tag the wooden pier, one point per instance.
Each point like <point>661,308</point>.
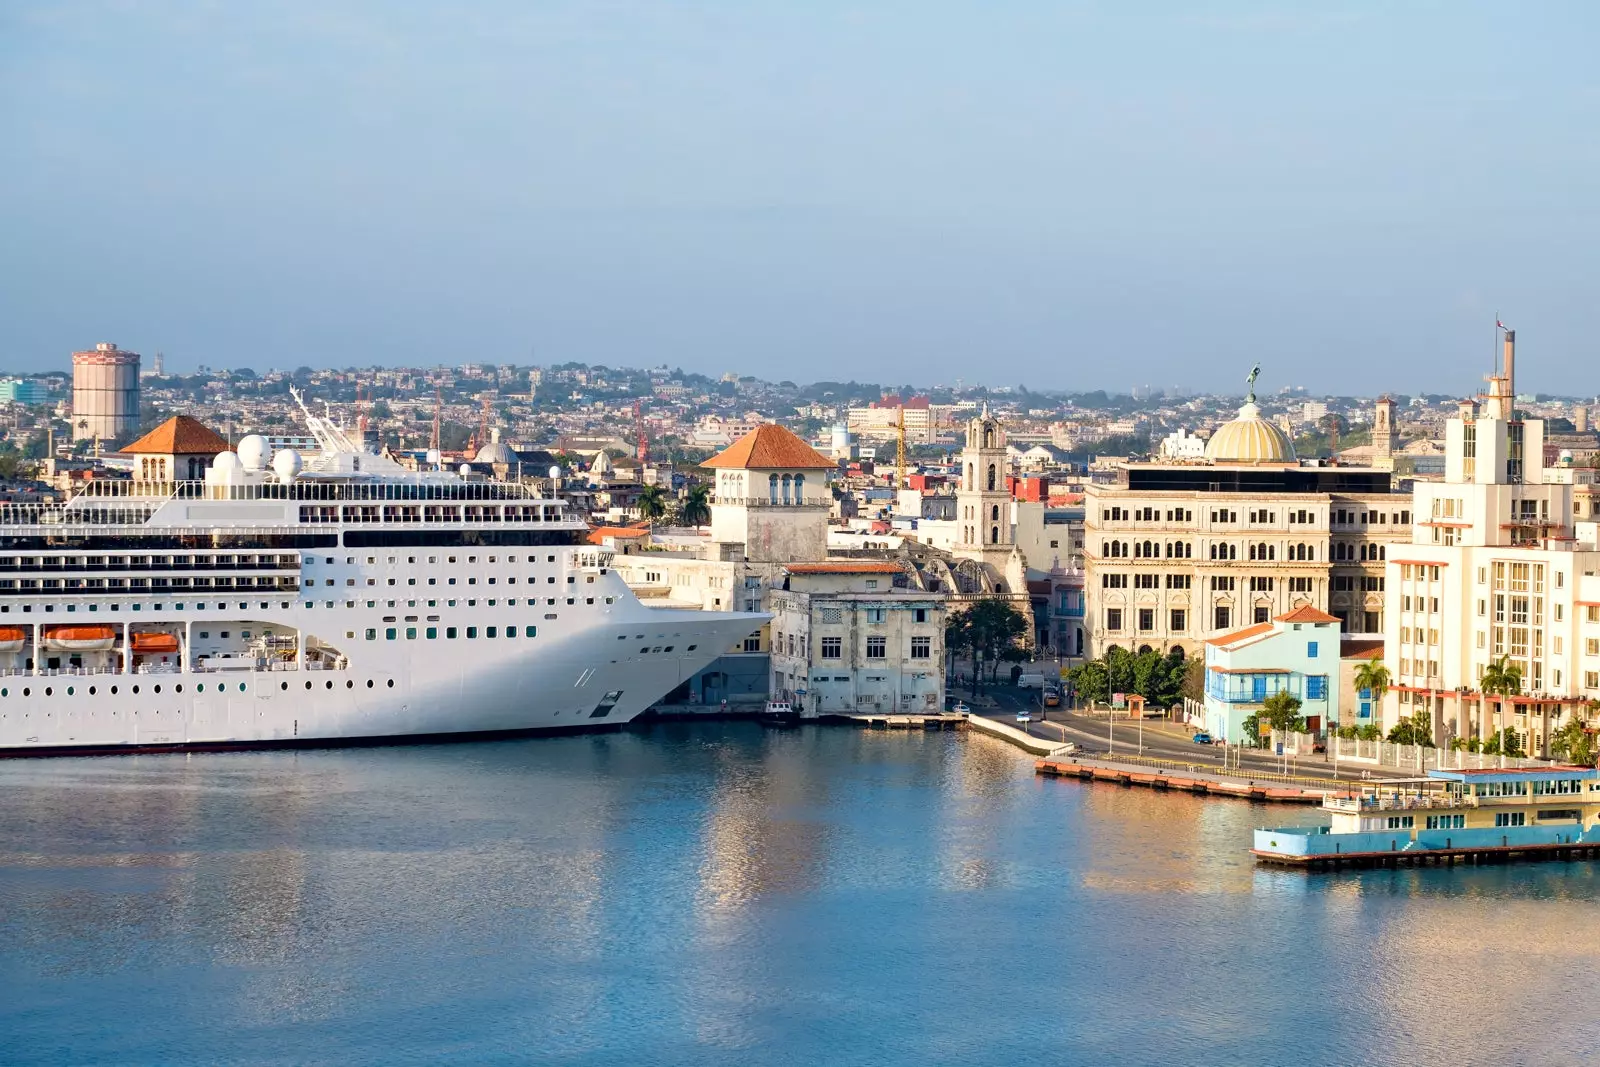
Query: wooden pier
<point>1162,779</point>
<point>934,721</point>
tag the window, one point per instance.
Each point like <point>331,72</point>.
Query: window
<point>1317,687</point>
<point>372,635</point>
<point>1311,650</point>
<point>1220,616</point>
<point>919,614</point>
<point>921,647</point>
<point>1178,620</point>
<point>1262,613</point>
<point>875,615</point>
<point>389,634</point>
<point>1401,822</point>
<point>832,647</point>
<point>1510,818</point>
<point>1113,618</point>
<point>472,631</point>
<point>1147,620</point>
<point>1446,822</point>
<point>877,648</point>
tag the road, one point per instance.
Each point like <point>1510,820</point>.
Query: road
<point>1159,739</point>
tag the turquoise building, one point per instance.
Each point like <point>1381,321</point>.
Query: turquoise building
<point>1297,652</point>
<point>24,391</point>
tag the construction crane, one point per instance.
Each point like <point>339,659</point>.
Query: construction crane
<point>480,436</point>
<point>902,480</point>
<point>438,419</point>
<point>1331,421</point>
<point>638,425</point>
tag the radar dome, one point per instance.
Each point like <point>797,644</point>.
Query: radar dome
<point>226,463</point>
<point>466,469</point>
<point>253,452</point>
<point>496,452</point>
<point>434,457</point>
<point>286,464</point>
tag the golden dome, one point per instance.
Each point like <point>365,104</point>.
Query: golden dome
<point>1250,439</point>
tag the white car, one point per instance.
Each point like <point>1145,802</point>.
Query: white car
<point>960,709</point>
<point>1024,716</point>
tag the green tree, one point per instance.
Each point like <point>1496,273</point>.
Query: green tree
<point>696,510</point>
<point>1281,712</point>
<point>1090,681</point>
<point>991,625</point>
<point>652,502</point>
<point>1252,731</point>
<point>1574,743</point>
<point>1193,686</point>
<point>1370,732</point>
<point>1501,679</point>
<point>1417,730</point>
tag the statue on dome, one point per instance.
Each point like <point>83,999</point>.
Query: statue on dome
<point>1255,372</point>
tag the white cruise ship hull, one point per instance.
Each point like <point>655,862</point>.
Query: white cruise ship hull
<point>602,675</point>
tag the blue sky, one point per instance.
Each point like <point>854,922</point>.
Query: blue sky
<point>1089,195</point>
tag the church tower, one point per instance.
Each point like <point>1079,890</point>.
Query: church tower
<point>1383,434</point>
<point>983,503</point>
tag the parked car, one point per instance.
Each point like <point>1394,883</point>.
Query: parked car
<point>1052,696</point>
<point>1202,738</point>
<point>1024,716</point>
<point>960,708</point>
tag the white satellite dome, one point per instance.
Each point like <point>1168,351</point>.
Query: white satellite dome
<point>226,463</point>
<point>496,452</point>
<point>253,452</point>
<point>434,457</point>
<point>465,469</point>
<point>287,464</point>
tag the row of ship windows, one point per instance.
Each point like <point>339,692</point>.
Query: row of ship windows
<point>264,605</point>
<point>127,563</point>
<point>217,687</point>
<point>402,513</point>
<point>27,585</point>
<point>510,602</point>
<point>550,580</point>
<point>311,561</point>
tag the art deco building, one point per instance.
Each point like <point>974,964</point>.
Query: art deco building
<point>1177,552</point>
<point>1504,569</point>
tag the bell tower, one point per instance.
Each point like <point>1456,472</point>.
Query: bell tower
<point>983,503</point>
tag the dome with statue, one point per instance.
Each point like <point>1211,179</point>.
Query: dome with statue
<point>1250,438</point>
<point>496,451</point>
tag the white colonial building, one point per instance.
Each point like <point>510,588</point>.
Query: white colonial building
<point>1177,553</point>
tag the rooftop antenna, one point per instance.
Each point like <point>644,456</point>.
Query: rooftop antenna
<point>901,480</point>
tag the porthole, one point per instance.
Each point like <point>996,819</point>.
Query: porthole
<point>330,684</point>
<point>158,689</point>
<point>390,683</point>
<point>350,685</point>
<point>5,692</point>
<point>369,683</point>
<point>308,685</point>
<point>284,686</point>
<point>177,688</point>
<point>48,691</point>
<point>91,691</point>
<point>69,690</point>
<point>113,690</point>
<point>241,687</point>
<point>135,690</point>
<point>27,692</point>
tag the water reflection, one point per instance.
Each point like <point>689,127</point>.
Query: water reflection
<point>723,894</point>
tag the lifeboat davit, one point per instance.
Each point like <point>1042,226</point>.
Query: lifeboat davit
<point>153,642</point>
<point>12,639</point>
<point>79,638</point>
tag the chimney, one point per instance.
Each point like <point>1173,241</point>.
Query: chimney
<point>1510,375</point>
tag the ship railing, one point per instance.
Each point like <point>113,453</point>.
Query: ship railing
<point>52,672</point>
<point>407,489</point>
<point>1392,802</point>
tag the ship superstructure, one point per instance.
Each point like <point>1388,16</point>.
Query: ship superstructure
<point>333,596</point>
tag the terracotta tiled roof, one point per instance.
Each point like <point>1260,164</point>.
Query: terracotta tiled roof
<point>865,566</point>
<point>1361,648</point>
<point>770,447</point>
<point>180,435</point>
<point>1307,613</point>
<point>1239,635</point>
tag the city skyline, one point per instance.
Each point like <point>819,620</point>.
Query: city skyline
<point>1089,198</point>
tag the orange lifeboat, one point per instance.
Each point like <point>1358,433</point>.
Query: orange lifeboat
<point>12,638</point>
<point>153,642</point>
<point>79,638</point>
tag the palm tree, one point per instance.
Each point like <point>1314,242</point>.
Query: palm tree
<point>1501,678</point>
<point>697,506</point>
<point>652,503</point>
<point>1373,677</point>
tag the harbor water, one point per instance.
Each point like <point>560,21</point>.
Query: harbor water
<point>713,893</point>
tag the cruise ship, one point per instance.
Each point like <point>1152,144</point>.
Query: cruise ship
<point>278,598</point>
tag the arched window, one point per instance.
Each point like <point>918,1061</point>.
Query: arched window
<point>799,488</point>
<point>991,476</point>
<point>971,478</point>
<point>772,487</point>
<point>994,513</point>
<point>988,439</point>
<point>994,535</point>
<point>786,481</point>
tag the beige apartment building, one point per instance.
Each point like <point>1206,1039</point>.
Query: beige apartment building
<point>1503,569</point>
<point>1177,553</point>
